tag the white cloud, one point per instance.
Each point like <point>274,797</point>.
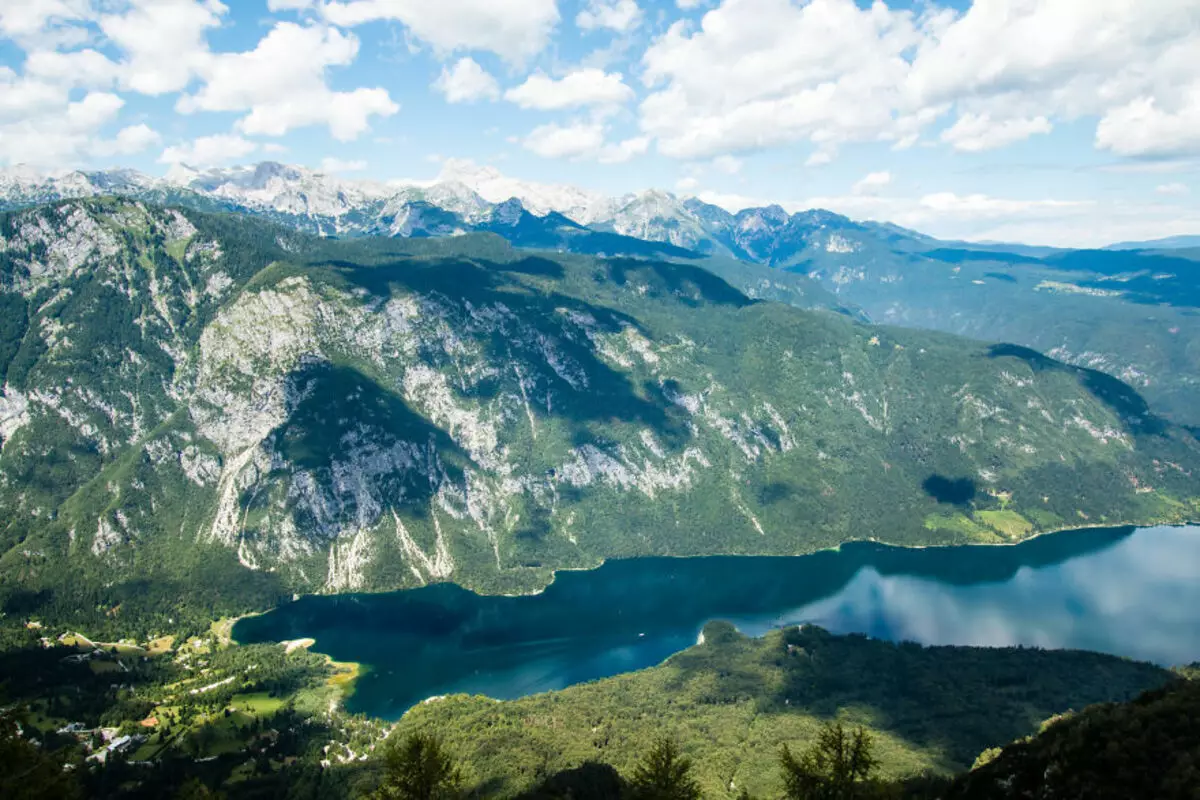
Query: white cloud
<point>571,141</point>
<point>1142,128</point>
<point>688,5</point>
<point>163,42</point>
<point>513,29</point>
<point>209,151</point>
<point>467,82</point>
<point>93,110</point>
<point>736,202</point>
<point>973,133</point>
<point>45,23</point>
<point>289,5</point>
<point>727,164</point>
<point>22,97</point>
<point>1131,63</point>
<point>687,183</point>
<point>976,206</point>
<point>1172,189</point>
<point>333,165</point>
<point>624,150</point>
<point>582,141</point>
<point>583,87</point>
<point>759,73</point>
<point>872,183</point>
<point>86,68</point>
<point>129,141</point>
<point>59,135</point>
<point>282,84</point>
<point>618,15</point>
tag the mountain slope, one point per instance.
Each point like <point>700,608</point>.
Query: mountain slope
<point>731,702</point>
<point>1134,316</point>
<point>1149,747</point>
<point>546,217</point>
<point>190,395</point>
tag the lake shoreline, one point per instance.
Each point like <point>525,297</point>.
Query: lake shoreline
<point>715,606</point>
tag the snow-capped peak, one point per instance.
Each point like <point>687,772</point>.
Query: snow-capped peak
<point>580,205</point>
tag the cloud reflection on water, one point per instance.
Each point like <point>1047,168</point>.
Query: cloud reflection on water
<point>1138,598</point>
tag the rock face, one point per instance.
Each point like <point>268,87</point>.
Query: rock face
<point>375,413</point>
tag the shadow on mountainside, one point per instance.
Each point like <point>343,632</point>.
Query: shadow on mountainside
<point>690,285</point>
<point>953,491</point>
<point>342,411</point>
<point>531,327</point>
<point>1121,398</point>
<point>952,702</point>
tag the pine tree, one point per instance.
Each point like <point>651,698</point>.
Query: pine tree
<point>664,775</point>
<point>418,767</point>
<point>836,767</point>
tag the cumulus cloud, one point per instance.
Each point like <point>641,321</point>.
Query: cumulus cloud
<point>163,42</point>
<point>57,135</point>
<point>973,133</point>
<point>977,205</point>
<point>872,183</point>
<point>83,68</point>
<point>129,141</point>
<point>1172,189</point>
<point>282,84</point>
<point>618,15</point>
<point>759,73</point>
<point>727,164</point>
<point>565,141</point>
<point>45,23</point>
<point>582,87</point>
<point>1143,128</point>
<point>513,29</point>
<point>208,151</point>
<point>23,96</point>
<point>466,82</point>
<point>582,141</point>
<point>333,165</point>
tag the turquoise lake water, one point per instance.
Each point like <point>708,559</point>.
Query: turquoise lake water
<point>1124,591</point>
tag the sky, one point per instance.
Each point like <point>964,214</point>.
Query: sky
<point>1065,122</point>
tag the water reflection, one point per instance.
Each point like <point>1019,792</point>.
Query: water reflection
<point>1117,590</point>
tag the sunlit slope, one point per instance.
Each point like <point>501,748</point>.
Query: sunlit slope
<point>195,401</point>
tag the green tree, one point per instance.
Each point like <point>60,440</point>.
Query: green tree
<point>28,773</point>
<point>837,767</point>
<point>417,767</point>
<point>194,789</point>
<point>664,775</point>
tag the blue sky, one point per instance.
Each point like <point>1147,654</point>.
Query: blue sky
<point>1053,121</point>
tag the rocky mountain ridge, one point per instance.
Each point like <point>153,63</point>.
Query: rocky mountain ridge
<point>1131,314</point>
<point>189,398</point>
<point>474,197</point>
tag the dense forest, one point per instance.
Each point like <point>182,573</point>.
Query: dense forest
<point>749,717</point>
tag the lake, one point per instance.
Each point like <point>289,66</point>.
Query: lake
<point>1124,591</point>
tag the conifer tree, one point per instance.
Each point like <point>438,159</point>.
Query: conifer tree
<point>664,774</point>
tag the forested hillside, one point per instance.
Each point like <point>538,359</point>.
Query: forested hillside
<point>195,402</point>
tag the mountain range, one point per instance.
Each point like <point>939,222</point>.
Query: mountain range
<point>1133,313</point>
<point>192,396</point>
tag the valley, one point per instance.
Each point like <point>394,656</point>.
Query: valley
<point>189,397</point>
<point>568,461</point>
<point>1055,592</point>
<point>599,400</point>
